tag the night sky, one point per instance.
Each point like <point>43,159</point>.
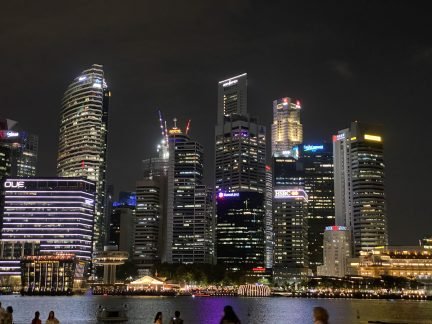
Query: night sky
<point>369,61</point>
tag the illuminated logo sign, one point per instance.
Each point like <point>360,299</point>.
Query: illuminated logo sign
<point>312,148</point>
<point>8,134</point>
<point>14,184</point>
<point>222,195</point>
<point>335,228</point>
<point>258,269</point>
<point>229,83</point>
<point>12,134</point>
<point>289,193</point>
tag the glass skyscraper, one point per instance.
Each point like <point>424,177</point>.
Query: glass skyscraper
<point>83,137</point>
<point>317,163</point>
<point>190,213</point>
<point>240,236</point>
<point>359,185</point>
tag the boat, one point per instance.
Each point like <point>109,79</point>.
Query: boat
<point>108,315</point>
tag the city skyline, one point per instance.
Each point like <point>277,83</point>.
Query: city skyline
<point>349,95</point>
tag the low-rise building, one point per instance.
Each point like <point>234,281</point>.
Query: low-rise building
<point>414,262</point>
<point>336,250</point>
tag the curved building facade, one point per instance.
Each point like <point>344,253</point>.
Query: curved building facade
<point>83,137</point>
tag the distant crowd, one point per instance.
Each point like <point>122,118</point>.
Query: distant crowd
<point>6,317</point>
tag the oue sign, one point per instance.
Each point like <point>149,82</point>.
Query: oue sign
<point>14,184</point>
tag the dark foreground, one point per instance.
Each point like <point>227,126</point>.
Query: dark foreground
<point>208,310</point>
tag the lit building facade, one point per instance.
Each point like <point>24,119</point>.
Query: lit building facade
<point>58,213</point>
<point>412,262</point>
<point>240,155</point>
<point>232,97</point>
<point>83,137</point>
<point>190,213</point>
<point>290,261</point>
<point>317,163</point>
<point>287,130</point>
<point>290,227</point>
<point>268,224</point>
<point>50,273</point>
<point>359,185</point>
<point>240,230</point>
<point>150,243</point>
<point>337,250</point>
<point>18,151</point>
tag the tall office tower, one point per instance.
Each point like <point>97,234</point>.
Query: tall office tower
<point>122,222</point>
<point>268,226</point>
<point>57,213</point>
<point>150,239</point>
<point>83,137</point>
<point>18,151</point>
<point>189,217</point>
<point>232,97</point>
<point>289,220</point>
<point>240,141</point>
<point>240,237</point>
<point>317,163</point>
<point>359,185</point>
<point>290,234</point>
<point>150,244</point>
<point>337,249</point>
<point>287,131</point>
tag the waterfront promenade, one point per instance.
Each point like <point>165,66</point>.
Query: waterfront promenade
<point>208,310</point>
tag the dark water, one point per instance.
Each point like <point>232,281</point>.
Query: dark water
<point>82,309</point>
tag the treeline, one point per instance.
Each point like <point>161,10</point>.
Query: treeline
<point>200,274</point>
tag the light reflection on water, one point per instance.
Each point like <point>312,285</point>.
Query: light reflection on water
<point>208,310</point>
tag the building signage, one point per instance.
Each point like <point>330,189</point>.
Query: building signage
<point>14,184</point>
<point>312,148</point>
<point>289,193</point>
<point>335,228</point>
<point>228,194</point>
<point>229,83</point>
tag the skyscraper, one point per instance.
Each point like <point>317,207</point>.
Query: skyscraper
<point>232,97</point>
<point>317,163</point>
<point>287,130</point>
<point>189,213</point>
<point>290,227</point>
<point>240,236</point>
<point>18,151</point>
<point>268,223</point>
<point>122,222</point>
<point>359,185</point>
<point>83,137</point>
<point>240,161</point>
<point>240,140</point>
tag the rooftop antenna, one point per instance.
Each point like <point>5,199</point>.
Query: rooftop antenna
<point>175,122</point>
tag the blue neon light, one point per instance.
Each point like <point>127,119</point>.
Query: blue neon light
<point>312,148</point>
